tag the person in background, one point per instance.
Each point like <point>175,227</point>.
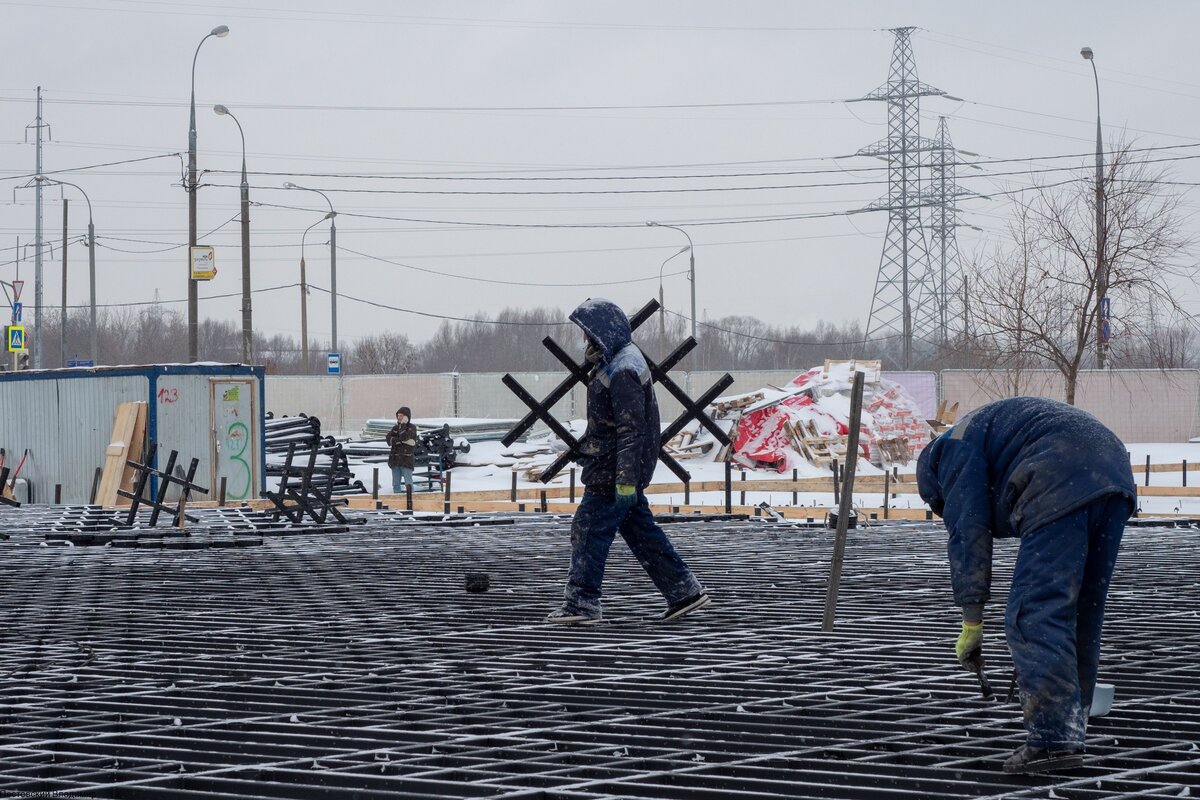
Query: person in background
<point>1057,479</point>
<point>402,439</point>
<point>618,455</point>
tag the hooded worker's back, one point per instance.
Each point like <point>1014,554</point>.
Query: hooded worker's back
<point>623,422</point>
<point>1044,459</point>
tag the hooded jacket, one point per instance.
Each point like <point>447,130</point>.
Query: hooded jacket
<point>401,454</point>
<point>622,441</point>
<point>1011,467</point>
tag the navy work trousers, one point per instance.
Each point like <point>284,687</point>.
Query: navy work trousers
<point>1055,613</point>
<point>593,529</point>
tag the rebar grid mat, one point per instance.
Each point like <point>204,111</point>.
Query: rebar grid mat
<point>357,666</point>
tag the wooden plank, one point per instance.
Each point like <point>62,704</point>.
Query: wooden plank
<point>137,444</point>
<point>1140,469</point>
<point>113,471</point>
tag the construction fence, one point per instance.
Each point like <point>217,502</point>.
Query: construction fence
<point>1139,405</point>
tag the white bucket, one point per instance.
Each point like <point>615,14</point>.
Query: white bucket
<point>1102,699</point>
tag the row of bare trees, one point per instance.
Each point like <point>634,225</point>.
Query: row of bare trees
<point>1034,299</point>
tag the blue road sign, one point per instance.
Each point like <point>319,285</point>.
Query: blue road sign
<point>334,364</point>
<point>1105,308</point>
<point>16,312</point>
<point>80,362</point>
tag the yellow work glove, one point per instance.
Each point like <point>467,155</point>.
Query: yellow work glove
<point>626,495</point>
<point>969,647</point>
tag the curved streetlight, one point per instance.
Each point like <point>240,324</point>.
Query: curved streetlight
<point>332,262</point>
<point>1101,272</point>
<point>304,293</point>
<point>662,306</point>
<point>91,276</point>
<point>221,31</point>
<point>691,267</point>
<point>247,316</point>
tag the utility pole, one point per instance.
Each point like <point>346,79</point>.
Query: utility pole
<point>1102,302</point>
<point>38,124</point>
<point>62,323</point>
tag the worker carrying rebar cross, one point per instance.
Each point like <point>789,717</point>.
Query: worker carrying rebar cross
<point>1058,479</point>
<point>618,454</point>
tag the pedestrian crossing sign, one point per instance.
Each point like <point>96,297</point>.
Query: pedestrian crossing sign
<point>15,336</point>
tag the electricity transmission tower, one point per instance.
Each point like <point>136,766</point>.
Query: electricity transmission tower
<point>904,264</point>
<point>938,310</point>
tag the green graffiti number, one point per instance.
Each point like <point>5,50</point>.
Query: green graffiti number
<point>238,434</point>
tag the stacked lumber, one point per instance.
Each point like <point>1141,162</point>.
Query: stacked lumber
<point>127,443</point>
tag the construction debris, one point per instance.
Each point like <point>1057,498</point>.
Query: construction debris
<point>806,422</point>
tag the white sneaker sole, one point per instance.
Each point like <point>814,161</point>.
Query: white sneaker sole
<point>696,606</point>
<point>580,620</point>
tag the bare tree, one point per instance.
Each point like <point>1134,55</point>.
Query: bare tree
<point>382,353</point>
<point>1037,298</point>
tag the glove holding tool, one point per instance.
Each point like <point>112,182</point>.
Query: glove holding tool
<point>969,650</point>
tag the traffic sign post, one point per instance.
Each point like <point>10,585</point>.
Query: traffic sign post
<point>14,336</point>
<point>334,364</point>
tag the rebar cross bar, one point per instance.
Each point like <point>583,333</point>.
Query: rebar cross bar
<point>580,373</point>
<point>166,477</point>
<point>312,498</point>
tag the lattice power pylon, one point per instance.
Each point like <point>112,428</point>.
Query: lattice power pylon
<point>904,264</point>
<point>939,308</point>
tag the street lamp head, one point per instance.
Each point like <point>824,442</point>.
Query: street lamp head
<point>220,110</point>
<point>653,224</point>
<point>221,31</point>
<point>1086,53</point>
<point>330,215</point>
<point>290,185</point>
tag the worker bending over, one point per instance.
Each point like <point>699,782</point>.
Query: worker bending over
<point>1058,479</point>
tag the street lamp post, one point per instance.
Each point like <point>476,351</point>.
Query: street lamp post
<point>247,317</point>
<point>91,270</point>
<point>662,306</point>
<point>332,262</point>
<point>1102,314</point>
<point>304,294</point>
<point>691,267</point>
<point>220,31</point>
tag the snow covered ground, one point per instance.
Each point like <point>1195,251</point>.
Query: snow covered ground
<point>497,474</point>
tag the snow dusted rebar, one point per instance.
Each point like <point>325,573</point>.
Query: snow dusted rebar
<point>356,664</point>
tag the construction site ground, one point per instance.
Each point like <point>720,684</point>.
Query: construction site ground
<point>335,665</point>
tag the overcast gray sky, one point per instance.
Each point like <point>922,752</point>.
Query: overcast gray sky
<point>393,89</point>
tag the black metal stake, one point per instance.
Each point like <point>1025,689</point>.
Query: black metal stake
<point>221,495</point>
<point>728,487</point>
<point>844,508</point>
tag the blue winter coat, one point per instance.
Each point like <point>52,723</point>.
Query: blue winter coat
<point>1011,467</point>
<point>621,443</point>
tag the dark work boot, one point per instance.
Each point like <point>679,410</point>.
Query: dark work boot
<point>1028,760</point>
<point>685,606</point>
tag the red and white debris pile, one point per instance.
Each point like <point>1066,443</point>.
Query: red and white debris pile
<point>806,422</point>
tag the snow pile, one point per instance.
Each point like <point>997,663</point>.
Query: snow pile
<point>807,421</point>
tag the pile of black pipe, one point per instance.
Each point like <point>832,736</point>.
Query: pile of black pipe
<point>304,433</point>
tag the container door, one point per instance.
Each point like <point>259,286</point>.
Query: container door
<point>234,432</point>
